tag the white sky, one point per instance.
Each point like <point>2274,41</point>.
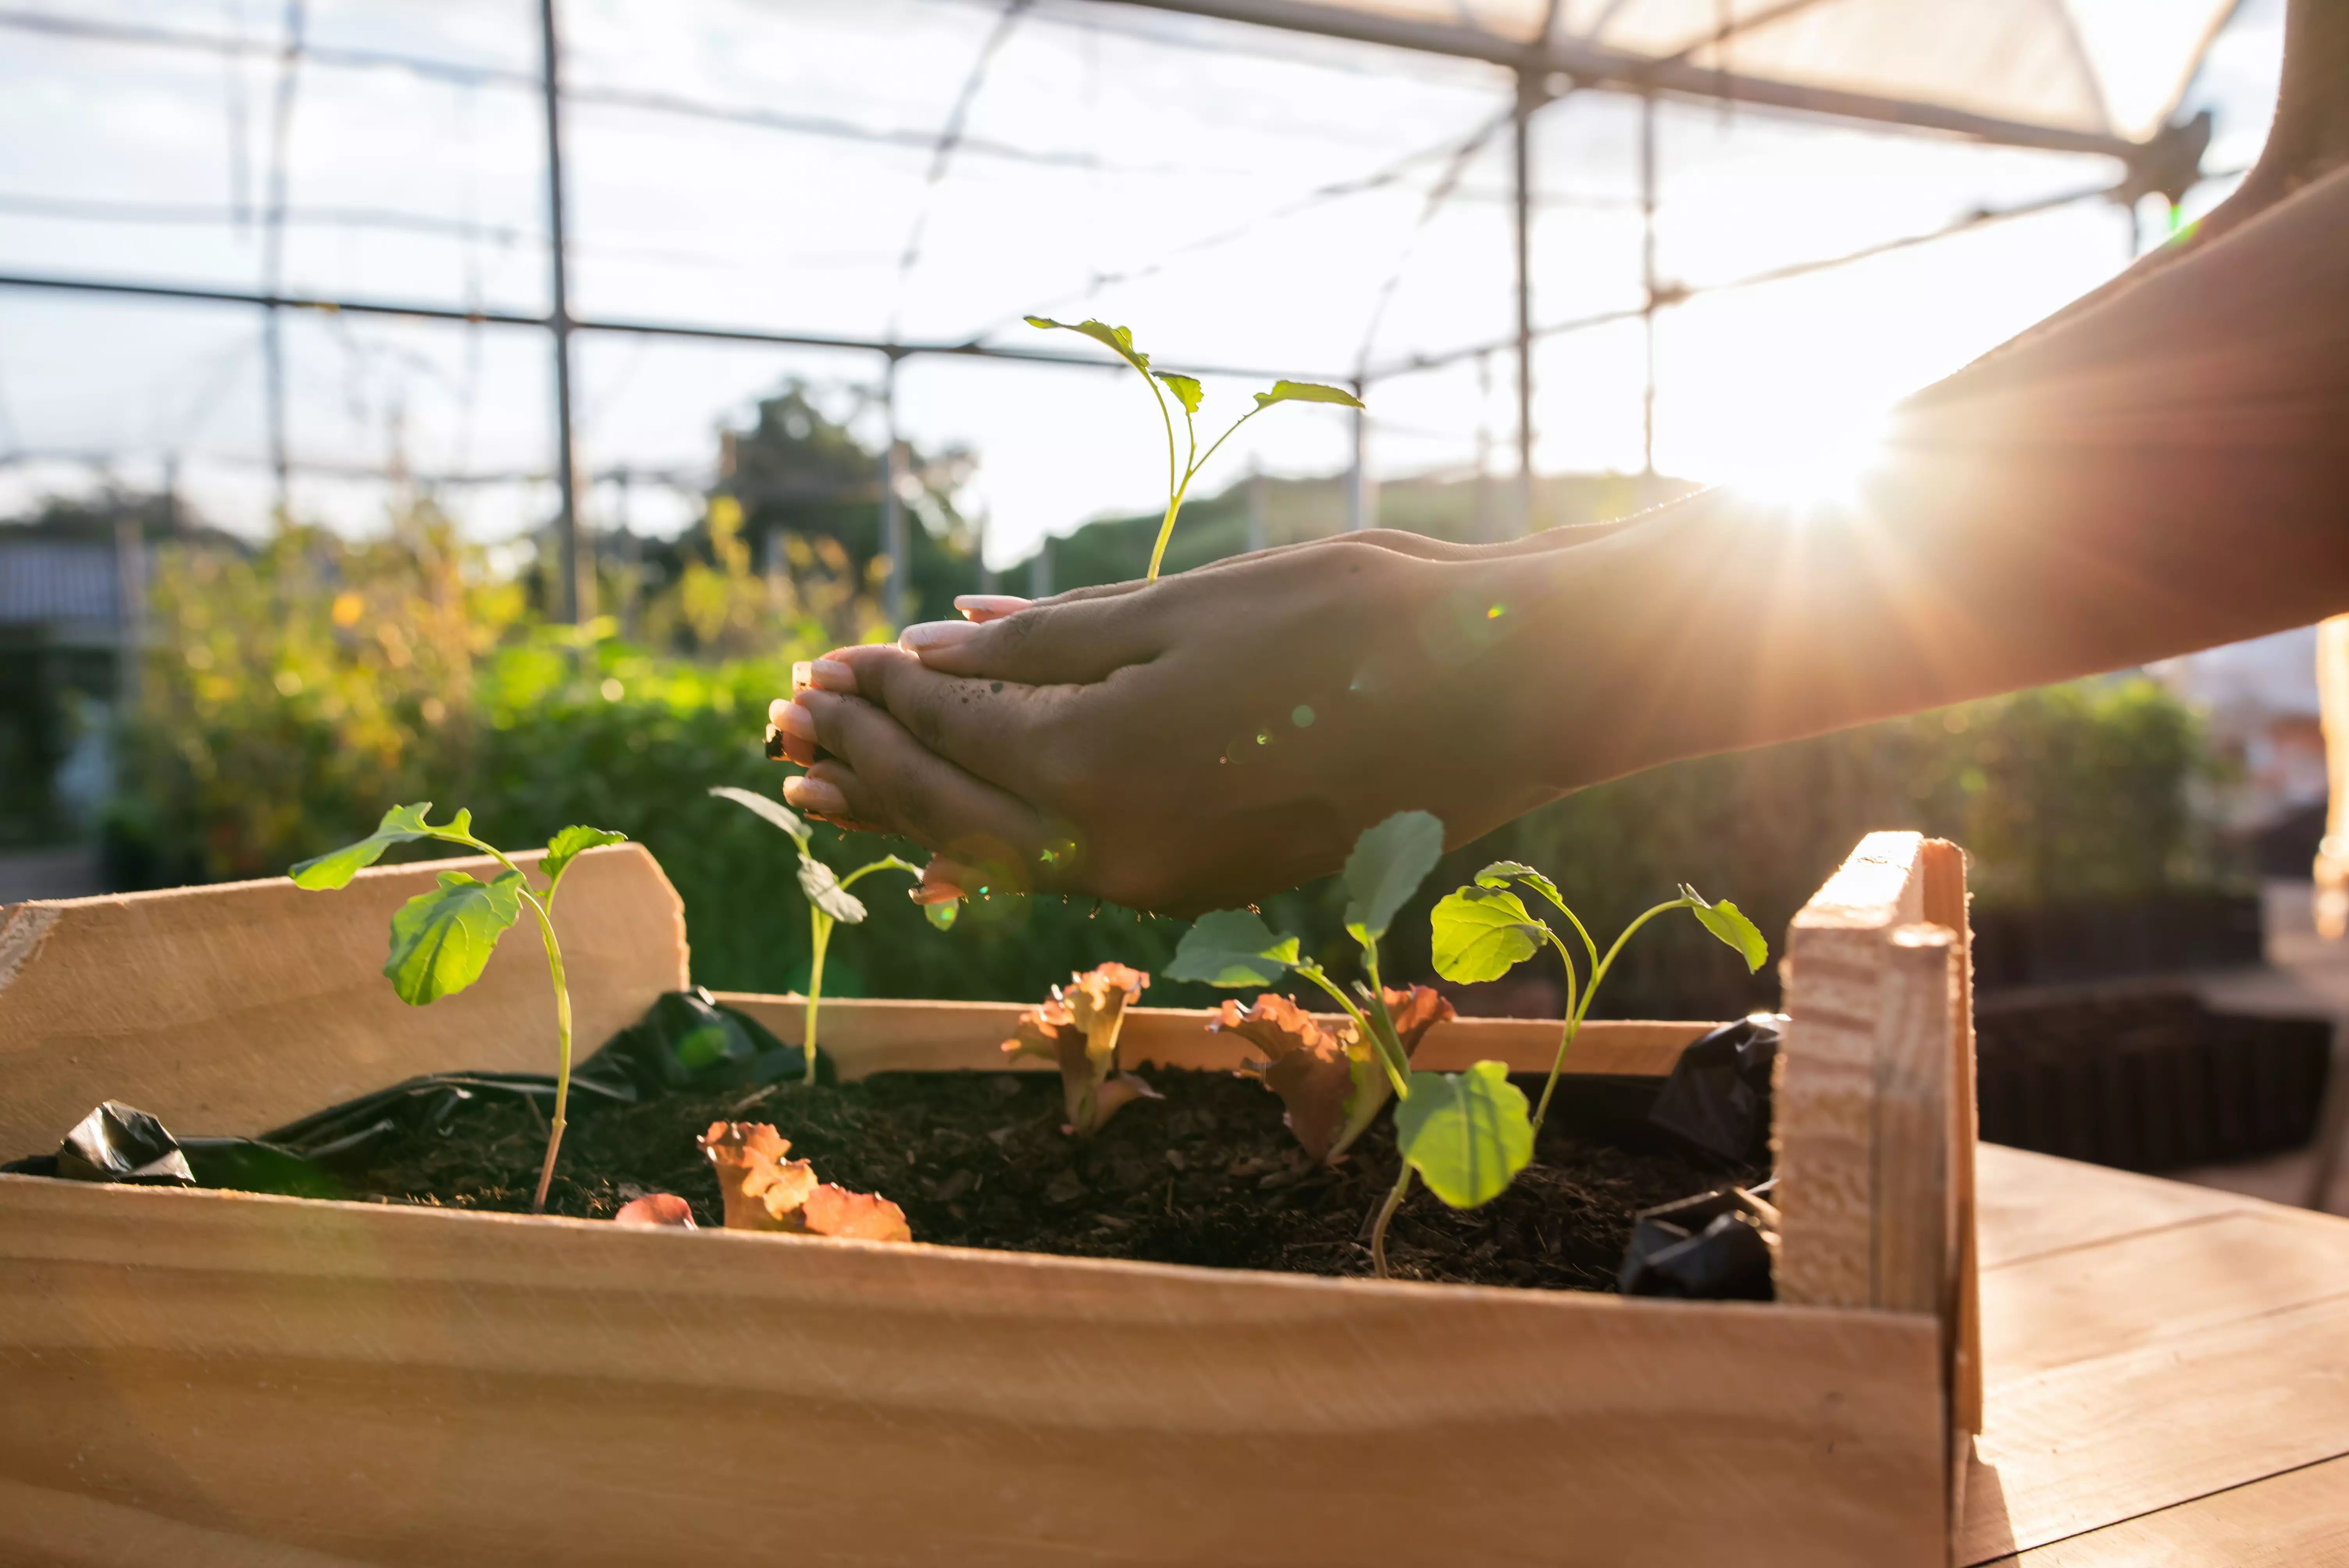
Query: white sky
<point>1166,176</point>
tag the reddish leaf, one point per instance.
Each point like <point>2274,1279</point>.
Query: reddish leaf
<point>1307,1066</point>
<point>832,1211</point>
<point>1415,1011</point>
<point>764,1192</point>
<point>655,1208</point>
<point>1077,1031</point>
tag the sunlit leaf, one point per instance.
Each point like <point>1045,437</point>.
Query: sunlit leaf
<point>1467,1134</point>
<point>441,940</point>
<point>1727,921</point>
<point>1500,873</point>
<point>1307,1066</point>
<point>1116,338</point>
<point>400,825</point>
<point>1482,933</point>
<point>566,845</point>
<point>1185,387</point>
<point>1388,862</point>
<point>655,1208</point>
<point>762,1190</point>
<point>831,1211</point>
<point>1415,1010</point>
<point>1306,392</point>
<point>775,811</point>
<point>1232,947</point>
<point>823,888</point>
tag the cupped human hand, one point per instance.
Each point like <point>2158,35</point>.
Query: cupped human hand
<point>1188,744</point>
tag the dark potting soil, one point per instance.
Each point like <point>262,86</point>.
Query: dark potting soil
<point>1208,1175</point>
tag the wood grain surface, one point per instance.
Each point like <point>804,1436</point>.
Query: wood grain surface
<point>236,1008</point>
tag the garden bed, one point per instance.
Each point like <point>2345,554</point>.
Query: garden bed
<point>384,1382</point>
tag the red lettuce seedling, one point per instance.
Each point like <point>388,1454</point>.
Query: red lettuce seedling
<point>1077,1030</point>
<point>764,1192</point>
<point>829,900</point>
<point>655,1208</point>
<point>1181,471</point>
<point>442,940</point>
<point>1330,1081</point>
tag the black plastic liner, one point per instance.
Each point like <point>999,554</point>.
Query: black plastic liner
<point>1718,1098</point>
<point>685,1040</point>
<point>1713,1247</point>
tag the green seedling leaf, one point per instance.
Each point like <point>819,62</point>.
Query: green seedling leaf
<point>1466,1134</point>
<point>400,825</point>
<point>1185,388</point>
<point>823,890</point>
<point>1117,339</point>
<point>1388,862</point>
<point>941,915</point>
<point>441,939</point>
<point>566,847</point>
<point>1727,921</point>
<point>1500,873</point>
<point>1482,933</point>
<point>1306,392</point>
<point>1232,947</point>
<point>775,811</point>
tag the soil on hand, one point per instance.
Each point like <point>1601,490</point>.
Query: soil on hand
<point>1207,1175</point>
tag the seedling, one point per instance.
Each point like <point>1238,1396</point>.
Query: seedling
<point>442,940</point>
<point>1466,1133</point>
<point>1077,1030</point>
<point>1331,1083</point>
<point>764,1192</point>
<point>1482,931</point>
<point>1180,471</point>
<point>830,902</point>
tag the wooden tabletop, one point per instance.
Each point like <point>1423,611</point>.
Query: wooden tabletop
<point>2167,1374</point>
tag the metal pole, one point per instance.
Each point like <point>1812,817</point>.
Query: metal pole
<point>575,598</point>
<point>272,251</point>
<point>1488,528</point>
<point>895,547</point>
<point>1647,278</point>
<point>1521,177</point>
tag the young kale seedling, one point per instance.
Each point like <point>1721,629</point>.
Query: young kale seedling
<point>442,940</point>
<point>1466,1133</point>
<point>830,902</point>
<point>1181,470</point>
<point>1484,931</point>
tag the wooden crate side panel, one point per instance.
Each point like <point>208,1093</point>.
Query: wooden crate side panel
<point>1824,1115</point>
<point>1948,904</point>
<point>866,1036</point>
<point>412,1387</point>
<point>233,1009</point>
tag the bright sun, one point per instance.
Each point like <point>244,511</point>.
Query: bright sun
<point>1816,457</point>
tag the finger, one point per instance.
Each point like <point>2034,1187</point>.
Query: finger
<point>790,731</point>
<point>1069,641</point>
<point>885,776</point>
<point>986,727</point>
<point>989,606</point>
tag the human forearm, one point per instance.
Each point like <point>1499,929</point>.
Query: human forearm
<point>2164,473</point>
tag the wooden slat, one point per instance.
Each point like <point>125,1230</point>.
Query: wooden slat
<point>234,1008</point>
<point>2297,1519</point>
<point>2034,1205</point>
<point>1825,1134</point>
<point>2093,1442</point>
<point>1948,904</point>
<point>866,1036</point>
<point>1912,1200</point>
<point>2175,1284</point>
<point>396,1383</point>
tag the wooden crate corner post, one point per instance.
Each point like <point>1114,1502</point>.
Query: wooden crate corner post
<point>1874,1103</point>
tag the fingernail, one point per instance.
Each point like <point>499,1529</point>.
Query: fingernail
<point>802,678</point>
<point>831,675</point>
<point>794,719</point>
<point>815,796</point>
<point>934,636</point>
<point>988,606</point>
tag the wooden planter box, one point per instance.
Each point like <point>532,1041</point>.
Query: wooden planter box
<point>206,1377</point>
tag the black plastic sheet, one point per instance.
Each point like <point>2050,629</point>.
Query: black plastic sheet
<point>1718,1098</point>
<point>1714,1247</point>
<point>685,1040</point>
